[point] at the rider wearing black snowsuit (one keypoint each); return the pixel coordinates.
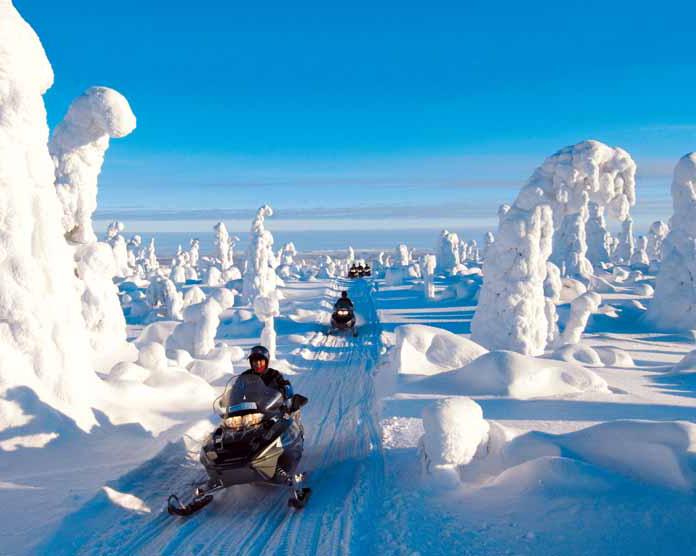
(343, 302)
(287, 463)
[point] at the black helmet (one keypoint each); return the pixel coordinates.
(259, 352)
(344, 294)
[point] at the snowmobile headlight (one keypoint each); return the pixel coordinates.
(239, 422)
(252, 419)
(212, 456)
(233, 422)
(343, 312)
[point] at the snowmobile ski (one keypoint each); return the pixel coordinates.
(299, 498)
(175, 507)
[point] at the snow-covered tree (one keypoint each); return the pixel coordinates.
(44, 341)
(402, 255)
(674, 304)
(553, 285)
(580, 310)
(259, 276)
(570, 245)
(598, 238)
(429, 265)
(605, 174)
(489, 240)
(151, 262)
(77, 146)
(266, 308)
(447, 252)
(512, 308)
(656, 237)
(589, 170)
(626, 245)
(222, 245)
(639, 259)
(119, 248)
(194, 252)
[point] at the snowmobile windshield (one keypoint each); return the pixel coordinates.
(249, 394)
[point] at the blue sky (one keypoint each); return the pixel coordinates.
(374, 108)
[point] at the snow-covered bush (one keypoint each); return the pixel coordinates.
(674, 305)
(197, 333)
(511, 312)
(455, 430)
(77, 146)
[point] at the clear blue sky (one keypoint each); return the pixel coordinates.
(361, 104)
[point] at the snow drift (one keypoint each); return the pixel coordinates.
(426, 350)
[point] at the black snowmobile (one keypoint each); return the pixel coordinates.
(367, 271)
(343, 317)
(260, 439)
(353, 272)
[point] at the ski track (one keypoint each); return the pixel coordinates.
(342, 456)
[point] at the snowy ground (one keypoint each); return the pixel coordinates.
(105, 492)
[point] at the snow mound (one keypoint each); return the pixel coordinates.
(614, 357)
(578, 353)
(427, 350)
(454, 430)
(506, 373)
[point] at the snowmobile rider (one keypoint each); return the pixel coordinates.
(258, 361)
(343, 302)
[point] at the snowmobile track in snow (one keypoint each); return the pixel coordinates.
(342, 457)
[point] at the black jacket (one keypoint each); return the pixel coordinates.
(343, 303)
(274, 379)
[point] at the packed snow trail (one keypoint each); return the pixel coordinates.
(342, 457)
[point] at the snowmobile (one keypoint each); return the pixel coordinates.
(353, 272)
(259, 440)
(367, 271)
(343, 318)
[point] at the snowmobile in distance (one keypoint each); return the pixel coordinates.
(259, 439)
(343, 317)
(353, 272)
(367, 271)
